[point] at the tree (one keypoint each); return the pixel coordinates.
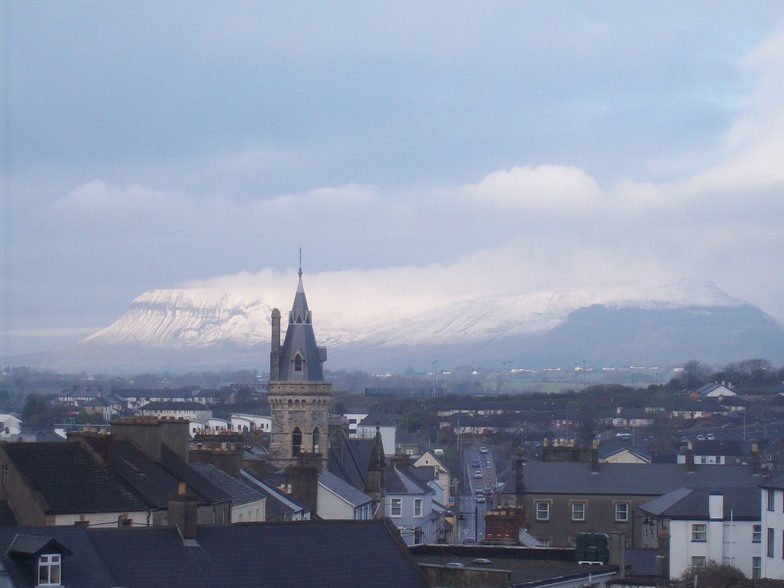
(713, 575)
(695, 374)
(33, 408)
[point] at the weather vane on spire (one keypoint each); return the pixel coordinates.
(300, 262)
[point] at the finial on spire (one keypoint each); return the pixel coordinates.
(300, 262)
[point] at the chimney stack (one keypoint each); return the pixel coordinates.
(690, 458)
(303, 481)
(183, 513)
(756, 463)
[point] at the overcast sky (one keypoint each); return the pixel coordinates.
(497, 146)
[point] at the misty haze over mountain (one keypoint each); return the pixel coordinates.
(214, 328)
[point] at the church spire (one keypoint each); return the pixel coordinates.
(300, 357)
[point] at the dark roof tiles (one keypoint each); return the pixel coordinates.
(62, 472)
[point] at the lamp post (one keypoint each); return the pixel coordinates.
(476, 523)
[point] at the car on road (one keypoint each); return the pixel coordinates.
(480, 499)
(478, 474)
(475, 463)
(483, 450)
(710, 436)
(700, 437)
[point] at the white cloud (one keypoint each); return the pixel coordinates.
(410, 175)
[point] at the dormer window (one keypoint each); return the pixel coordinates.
(298, 363)
(49, 569)
(43, 557)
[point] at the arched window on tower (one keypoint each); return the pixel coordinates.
(316, 439)
(296, 442)
(298, 363)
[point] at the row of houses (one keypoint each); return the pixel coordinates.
(686, 514)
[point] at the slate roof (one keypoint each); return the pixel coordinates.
(157, 481)
(7, 516)
(776, 482)
(82, 567)
(69, 480)
(278, 507)
(239, 492)
(193, 479)
(692, 503)
(653, 479)
(351, 461)
(715, 447)
(301, 338)
(377, 417)
(309, 553)
(343, 489)
(708, 388)
(401, 481)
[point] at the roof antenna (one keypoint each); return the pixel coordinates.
(300, 262)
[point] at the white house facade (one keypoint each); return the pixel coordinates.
(772, 523)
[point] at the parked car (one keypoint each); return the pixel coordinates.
(710, 436)
(483, 449)
(478, 474)
(700, 437)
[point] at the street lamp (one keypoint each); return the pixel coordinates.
(476, 522)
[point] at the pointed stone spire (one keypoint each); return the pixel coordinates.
(300, 357)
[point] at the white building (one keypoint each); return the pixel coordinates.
(337, 499)
(440, 474)
(409, 505)
(191, 411)
(710, 526)
(251, 422)
(9, 425)
(772, 528)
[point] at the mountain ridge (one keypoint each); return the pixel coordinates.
(209, 328)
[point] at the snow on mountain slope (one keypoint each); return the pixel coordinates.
(202, 317)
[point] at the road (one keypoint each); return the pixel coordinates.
(479, 480)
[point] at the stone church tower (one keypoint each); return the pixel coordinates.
(298, 395)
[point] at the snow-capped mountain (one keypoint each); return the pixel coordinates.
(210, 328)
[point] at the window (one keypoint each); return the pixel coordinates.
(396, 507)
(417, 507)
(698, 532)
(756, 568)
(578, 511)
(298, 363)
(316, 439)
(771, 499)
(698, 561)
(49, 570)
(296, 441)
(621, 512)
(770, 548)
(542, 510)
(756, 534)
